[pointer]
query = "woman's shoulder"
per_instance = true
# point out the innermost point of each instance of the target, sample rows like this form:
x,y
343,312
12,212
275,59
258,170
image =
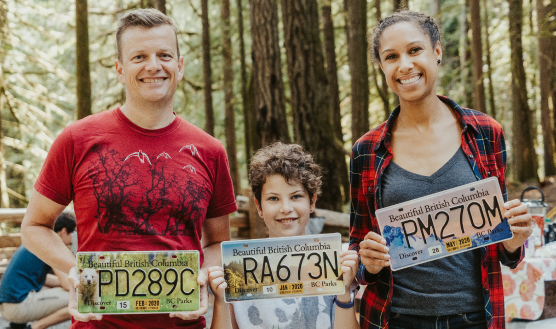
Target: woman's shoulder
x,y
480,120
367,143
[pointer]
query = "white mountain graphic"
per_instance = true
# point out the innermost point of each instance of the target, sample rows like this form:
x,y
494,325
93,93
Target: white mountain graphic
x,y
191,168
141,155
165,155
191,148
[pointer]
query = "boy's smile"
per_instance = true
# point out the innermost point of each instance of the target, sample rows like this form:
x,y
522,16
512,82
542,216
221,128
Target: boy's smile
x,y
285,208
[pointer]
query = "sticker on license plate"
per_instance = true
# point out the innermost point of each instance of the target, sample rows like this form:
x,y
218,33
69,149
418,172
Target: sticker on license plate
x,y
283,267
126,282
444,224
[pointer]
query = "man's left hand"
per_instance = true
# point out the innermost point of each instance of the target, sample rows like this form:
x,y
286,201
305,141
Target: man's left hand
x,y
521,224
194,315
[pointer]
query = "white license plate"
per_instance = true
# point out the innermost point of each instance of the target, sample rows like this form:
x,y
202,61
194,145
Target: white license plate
x,y
283,267
138,281
444,224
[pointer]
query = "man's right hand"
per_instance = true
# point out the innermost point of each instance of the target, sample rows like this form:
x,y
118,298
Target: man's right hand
x,y
374,253
73,279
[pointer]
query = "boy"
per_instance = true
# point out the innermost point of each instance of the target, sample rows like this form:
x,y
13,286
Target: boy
x,y
285,183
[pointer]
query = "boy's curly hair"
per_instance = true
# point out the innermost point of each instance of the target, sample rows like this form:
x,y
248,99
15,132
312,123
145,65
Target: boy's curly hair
x,y
290,161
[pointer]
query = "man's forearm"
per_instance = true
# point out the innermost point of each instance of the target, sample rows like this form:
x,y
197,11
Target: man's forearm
x,y
47,245
212,255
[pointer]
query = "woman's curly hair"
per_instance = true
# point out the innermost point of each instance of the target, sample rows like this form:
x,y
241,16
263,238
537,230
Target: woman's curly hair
x,y
290,161
425,23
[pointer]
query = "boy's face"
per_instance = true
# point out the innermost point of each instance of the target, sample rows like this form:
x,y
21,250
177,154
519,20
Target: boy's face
x,y
285,208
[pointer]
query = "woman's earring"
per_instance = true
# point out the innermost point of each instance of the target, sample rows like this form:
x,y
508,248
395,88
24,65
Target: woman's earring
x,y
438,61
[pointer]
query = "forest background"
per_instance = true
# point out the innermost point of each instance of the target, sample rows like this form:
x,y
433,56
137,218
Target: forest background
x,y
263,70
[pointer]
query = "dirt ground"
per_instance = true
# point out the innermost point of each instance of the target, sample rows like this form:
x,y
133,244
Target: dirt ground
x,y
548,187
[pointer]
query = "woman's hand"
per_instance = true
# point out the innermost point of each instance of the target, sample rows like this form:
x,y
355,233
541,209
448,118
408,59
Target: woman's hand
x,y
217,282
521,224
374,253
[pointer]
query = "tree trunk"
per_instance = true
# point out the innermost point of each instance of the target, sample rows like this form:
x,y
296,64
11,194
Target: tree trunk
x,y
148,4
309,100
246,117
383,89
477,47
358,67
545,67
553,62
251,110
400,5
4,199
464,74
489,65
333,90
525,159
83,76
230,125
436,9
207,70
161,5
269,87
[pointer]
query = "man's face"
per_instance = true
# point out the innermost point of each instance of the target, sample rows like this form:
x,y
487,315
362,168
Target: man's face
x,y
149,67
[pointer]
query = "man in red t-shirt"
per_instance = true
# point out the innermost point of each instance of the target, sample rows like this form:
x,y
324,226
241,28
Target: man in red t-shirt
x,y
140,177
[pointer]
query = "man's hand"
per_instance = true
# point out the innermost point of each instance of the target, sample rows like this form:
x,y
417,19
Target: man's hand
x,y
73,279
194,315
374,253
520,223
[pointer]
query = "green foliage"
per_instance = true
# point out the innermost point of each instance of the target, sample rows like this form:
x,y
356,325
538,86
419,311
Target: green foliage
x,y
39,71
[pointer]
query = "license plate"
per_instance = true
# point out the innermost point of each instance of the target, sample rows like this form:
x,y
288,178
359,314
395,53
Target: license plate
x,y
138,281
283,267
444,224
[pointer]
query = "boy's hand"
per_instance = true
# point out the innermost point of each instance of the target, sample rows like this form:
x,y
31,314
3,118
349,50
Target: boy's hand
x,y
349,262
217,282
374,253
73,280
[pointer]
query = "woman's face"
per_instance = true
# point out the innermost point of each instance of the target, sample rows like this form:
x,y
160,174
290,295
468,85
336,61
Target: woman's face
x,y
409,61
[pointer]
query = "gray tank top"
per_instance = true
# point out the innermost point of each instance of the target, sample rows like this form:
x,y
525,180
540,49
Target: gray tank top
x,y
450,285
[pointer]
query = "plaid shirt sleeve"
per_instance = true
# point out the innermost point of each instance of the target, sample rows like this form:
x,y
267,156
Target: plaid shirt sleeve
x,y
361,219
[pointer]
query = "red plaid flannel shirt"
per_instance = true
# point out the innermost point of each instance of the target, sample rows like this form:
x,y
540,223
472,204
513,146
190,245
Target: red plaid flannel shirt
x,y
483,143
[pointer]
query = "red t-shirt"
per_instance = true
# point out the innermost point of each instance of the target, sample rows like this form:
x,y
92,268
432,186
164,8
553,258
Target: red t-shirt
x,y
138,189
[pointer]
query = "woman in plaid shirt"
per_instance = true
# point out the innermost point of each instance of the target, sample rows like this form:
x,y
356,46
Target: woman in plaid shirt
x,y
418,140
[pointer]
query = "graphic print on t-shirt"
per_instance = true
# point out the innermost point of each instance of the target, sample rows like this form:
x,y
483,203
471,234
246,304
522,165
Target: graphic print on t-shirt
x,y
142,194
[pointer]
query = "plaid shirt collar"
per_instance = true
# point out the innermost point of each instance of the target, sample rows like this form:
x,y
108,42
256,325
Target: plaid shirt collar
x,y
465,121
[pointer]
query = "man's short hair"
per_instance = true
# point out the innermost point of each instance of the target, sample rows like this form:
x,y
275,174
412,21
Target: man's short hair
x,y
144,18
66,220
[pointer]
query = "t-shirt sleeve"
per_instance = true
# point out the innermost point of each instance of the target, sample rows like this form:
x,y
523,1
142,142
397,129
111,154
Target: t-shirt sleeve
x,y
55,178
222,201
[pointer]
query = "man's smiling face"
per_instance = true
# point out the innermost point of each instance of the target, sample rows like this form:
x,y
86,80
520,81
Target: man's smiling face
x,y
149,66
